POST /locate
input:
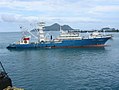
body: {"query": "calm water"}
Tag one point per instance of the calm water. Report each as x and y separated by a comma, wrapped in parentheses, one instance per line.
(62, 69)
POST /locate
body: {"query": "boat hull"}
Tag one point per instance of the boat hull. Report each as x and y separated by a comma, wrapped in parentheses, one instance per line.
(95, 42)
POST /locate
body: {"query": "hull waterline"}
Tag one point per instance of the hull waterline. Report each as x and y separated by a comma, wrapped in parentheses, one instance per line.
(95, 42)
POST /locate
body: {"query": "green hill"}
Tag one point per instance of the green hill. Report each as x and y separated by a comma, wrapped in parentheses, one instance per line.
(55, 27)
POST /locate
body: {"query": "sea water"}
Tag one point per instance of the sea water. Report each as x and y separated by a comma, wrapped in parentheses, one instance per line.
(61, 69)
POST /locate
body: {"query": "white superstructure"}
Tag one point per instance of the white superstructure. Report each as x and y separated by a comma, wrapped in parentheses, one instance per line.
(68, 35)
(41, 34)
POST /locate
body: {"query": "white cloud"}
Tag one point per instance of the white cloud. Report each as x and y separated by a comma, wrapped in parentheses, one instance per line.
(61, 6)
(10, 17)
(62, 11)
(45, 6)
(25, 5)
(47, 9)
(109, 8)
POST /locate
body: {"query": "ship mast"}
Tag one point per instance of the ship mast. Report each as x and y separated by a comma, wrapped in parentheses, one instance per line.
(60, 28)
(41, 34)
(24, 30)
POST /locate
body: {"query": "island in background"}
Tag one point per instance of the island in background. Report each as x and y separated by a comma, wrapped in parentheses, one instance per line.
(56, 27)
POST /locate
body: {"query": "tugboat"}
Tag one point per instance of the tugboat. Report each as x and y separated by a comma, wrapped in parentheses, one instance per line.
(66, 39)
(5, 81)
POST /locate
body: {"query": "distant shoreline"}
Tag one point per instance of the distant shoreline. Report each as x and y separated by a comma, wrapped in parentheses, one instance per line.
(69, 30)
(94, 30)
(78, 30)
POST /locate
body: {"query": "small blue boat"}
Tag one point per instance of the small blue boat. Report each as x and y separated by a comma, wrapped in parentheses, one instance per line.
(66, 39)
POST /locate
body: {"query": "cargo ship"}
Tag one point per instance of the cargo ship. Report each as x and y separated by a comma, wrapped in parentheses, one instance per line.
(66, 39)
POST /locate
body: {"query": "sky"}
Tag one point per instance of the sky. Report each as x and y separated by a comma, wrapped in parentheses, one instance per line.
(79, 14)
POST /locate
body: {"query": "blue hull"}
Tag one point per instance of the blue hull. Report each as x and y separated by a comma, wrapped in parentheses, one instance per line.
(95, 42)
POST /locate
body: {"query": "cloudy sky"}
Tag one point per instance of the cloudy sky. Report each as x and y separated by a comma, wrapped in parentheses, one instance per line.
(79, 14)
